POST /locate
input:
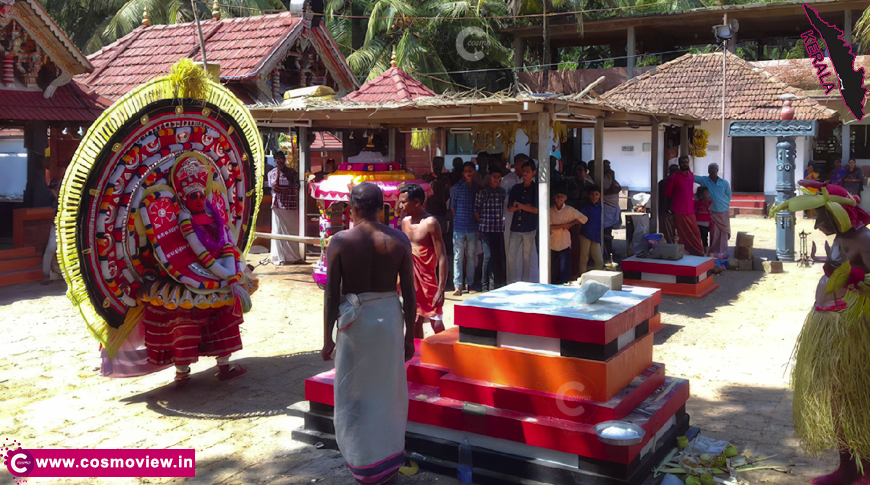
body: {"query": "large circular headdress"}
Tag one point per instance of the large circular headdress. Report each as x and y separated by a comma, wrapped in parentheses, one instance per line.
(177, 135)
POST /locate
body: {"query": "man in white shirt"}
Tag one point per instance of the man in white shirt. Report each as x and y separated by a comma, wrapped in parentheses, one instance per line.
(562, 217)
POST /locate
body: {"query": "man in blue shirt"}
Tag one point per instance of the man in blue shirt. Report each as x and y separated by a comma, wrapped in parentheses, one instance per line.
(523, 202)
(720, 195)
(462, 197)
(590, 236)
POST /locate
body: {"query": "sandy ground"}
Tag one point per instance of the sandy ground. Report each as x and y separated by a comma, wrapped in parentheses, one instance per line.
(734, 346)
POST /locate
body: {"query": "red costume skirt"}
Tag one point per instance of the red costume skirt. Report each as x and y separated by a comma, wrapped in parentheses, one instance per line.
(180, 336)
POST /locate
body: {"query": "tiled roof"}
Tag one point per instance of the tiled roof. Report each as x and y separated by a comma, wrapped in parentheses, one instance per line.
(324, 140)
(801, 74)
(69, 103)
(692, 85)
(394, 85)
(245, 47)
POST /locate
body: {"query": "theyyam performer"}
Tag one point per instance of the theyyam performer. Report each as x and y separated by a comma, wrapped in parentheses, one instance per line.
(831, 375)
(157, 211)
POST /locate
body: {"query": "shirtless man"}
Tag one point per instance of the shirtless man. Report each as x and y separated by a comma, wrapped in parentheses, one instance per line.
(371, 386)
(427, 246)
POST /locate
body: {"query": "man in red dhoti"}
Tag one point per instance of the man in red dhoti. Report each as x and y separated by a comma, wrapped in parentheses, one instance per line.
(427, 246)
(680, 189)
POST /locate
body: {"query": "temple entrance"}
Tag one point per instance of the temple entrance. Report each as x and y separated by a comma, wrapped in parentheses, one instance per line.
(747, 164)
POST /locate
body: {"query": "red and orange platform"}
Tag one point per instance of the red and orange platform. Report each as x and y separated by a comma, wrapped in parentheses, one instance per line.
(689, 276)
(524, 377)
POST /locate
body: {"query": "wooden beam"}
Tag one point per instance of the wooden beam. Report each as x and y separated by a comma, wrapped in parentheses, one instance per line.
(598, 146)
(654, 175)
(631, 47)
(304, 166)
(684, 140)
(617, 116)
(543, 198)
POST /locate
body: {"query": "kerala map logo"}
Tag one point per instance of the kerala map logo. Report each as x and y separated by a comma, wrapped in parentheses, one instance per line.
(851, 80)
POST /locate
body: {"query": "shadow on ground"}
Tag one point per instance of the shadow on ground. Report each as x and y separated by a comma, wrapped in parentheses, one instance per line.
(31, 291)
(731, 285)
(270, 387)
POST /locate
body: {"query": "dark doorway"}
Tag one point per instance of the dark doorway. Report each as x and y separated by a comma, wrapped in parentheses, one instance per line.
(747, 164)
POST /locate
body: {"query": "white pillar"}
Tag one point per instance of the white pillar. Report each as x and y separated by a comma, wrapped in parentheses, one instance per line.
(304, 166)
(631, 45)
(543, 197)
(846, 144)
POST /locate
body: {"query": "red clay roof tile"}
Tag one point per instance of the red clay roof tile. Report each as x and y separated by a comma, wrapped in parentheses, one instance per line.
(692, 85)
(393, 85)
(69, 103)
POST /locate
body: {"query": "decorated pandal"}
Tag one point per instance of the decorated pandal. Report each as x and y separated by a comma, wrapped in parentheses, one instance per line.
(687, 276)
(368, 166)
(525, 377)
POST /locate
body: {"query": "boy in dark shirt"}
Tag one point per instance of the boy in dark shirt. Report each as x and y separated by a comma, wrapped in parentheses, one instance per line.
(523, 202)
(590, 237)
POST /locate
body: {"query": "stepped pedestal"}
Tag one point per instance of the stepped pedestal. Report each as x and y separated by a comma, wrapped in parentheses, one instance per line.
(690, 276)
(524, 377)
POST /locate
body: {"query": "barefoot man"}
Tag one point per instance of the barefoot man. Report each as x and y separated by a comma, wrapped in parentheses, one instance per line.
(371, 387)
(427, 246)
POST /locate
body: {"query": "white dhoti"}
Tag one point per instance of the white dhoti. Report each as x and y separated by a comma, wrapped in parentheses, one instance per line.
(371, 386)
(285, 222)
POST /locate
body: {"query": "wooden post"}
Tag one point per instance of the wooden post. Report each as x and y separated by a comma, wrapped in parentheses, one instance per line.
(345, 146)
(304, 166)
(391, 145)
(684, 140)
(543, 197)
(519, 52)
(654, 175)
(631, 52)
(598, 147)
(441, 151)
(847, 27)
(846, 144)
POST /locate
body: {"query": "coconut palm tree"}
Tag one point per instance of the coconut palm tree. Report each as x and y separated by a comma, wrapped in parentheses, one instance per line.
(423, 34)
(91, 24)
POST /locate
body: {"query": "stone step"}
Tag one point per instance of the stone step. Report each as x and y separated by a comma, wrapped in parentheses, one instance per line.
(17, 253)
(16, 277)
(21, 263)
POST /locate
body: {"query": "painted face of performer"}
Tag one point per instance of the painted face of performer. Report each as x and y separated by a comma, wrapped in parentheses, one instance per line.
(190, 181)
(825, 223)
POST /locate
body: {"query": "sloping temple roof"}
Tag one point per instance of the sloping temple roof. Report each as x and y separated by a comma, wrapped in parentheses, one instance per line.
(393, 85)
(248, 49)
(692, 84)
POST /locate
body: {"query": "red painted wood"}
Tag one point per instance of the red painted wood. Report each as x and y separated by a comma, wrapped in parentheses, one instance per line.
(553, 326)
(700, 290)
(668, 269)
(554, 405)
(426, 406)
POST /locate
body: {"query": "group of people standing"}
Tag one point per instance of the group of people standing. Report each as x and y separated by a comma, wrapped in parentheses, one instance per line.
(850, 178)
(478, 203)
(688, 216)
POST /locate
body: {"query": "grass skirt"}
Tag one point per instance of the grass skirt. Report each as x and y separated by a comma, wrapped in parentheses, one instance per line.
(831, 381)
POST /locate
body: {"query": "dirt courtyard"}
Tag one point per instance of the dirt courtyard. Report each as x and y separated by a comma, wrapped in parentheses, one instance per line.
(733, 345)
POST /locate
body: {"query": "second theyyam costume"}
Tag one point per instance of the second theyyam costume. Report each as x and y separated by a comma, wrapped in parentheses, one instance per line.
(831, 375)
(155, 218)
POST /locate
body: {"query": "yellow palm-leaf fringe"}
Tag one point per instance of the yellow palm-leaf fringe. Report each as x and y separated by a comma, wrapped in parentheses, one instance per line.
(830, 381)
(96, 138)
(117, 336)
(189, 80)
(833, 203)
